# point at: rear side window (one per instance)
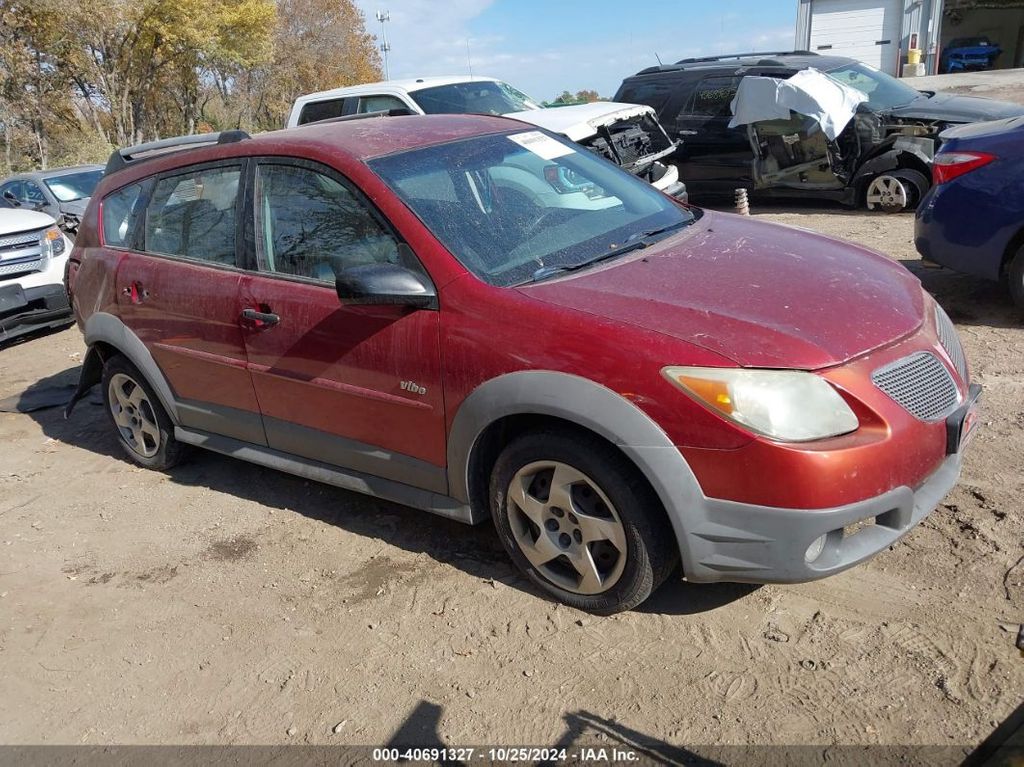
(653, 94)
(321, 110)
(713, 97)
(193, 216)
(310, 225)
(120, 215)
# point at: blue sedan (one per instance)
(972, 220)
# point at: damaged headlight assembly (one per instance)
(784, 405)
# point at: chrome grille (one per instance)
(950, 341)
(20, 240)
(21, 267)
(921, 384)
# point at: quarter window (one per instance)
(193, 216)
(120, 214)
(310, 225)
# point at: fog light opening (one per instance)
(815, 549)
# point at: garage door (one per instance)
(866, 30)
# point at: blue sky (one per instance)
(546, 46)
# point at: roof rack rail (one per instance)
(122, 158)
(394, 112)
(746, 56)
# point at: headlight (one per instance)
(787, 405)
(52, 242)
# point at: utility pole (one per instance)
(385, 46)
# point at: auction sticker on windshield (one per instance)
(541, 145)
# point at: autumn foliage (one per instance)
(78, 78)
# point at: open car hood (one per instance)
(581, 121)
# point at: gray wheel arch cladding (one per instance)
(591, 406)
(108, 329)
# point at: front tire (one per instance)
(580, 521)
(896, 191)
(143, 428)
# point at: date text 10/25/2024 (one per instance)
(501, 754)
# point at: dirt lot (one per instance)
(224, 603)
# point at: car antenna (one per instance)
(658, 58)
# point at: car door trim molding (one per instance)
(347, 479)
(344, 388)
(306, 442)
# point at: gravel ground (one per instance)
(223, 603)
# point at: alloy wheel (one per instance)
(888, 193)
(566, 526)
(134, 416)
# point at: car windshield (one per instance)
(524, 206)
(883, 91)
(74, 186)
(477, 97)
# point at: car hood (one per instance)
(580, 121)
(958, 109)
(13, 220)
(762, 295)
(75, 207)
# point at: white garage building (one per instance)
(879, 32)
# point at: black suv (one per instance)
(882, 158)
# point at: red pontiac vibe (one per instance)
(476, 318)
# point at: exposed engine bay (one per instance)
(635, 143)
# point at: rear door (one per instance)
(177, 290)
(354, 386)
(714, 157)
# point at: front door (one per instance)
(177, 290)
(353, 386)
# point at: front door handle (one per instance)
(260, 320)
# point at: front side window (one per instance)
(518, 207)
(713, 97)
(120, 214)
(379, 104)
(193, 215)
(476, 97)
(74, 186)
(310, 225)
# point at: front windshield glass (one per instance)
(74, 186)
(478, 97)
(519, 207)
(882, 90)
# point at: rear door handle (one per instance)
(260, 319)
(135, 293)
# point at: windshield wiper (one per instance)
(635, 241)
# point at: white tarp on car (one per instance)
(808, 92)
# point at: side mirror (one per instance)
(9, 196)
(385, 285)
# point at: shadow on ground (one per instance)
(474, 550)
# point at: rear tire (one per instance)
(143, 428)
(580, 521)
(1015, 278)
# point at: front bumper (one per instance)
(26, 310)
(745, 543)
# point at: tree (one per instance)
(318, 45)
(580, 97)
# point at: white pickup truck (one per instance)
(33, 257)
(628, 135)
